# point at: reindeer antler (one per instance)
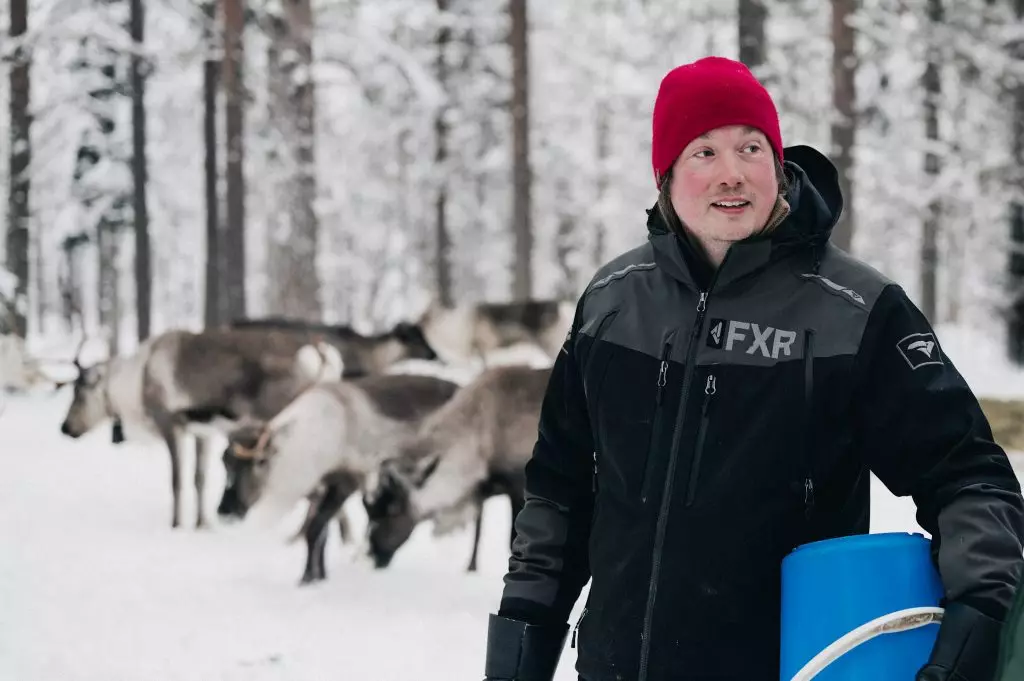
(254, 453)
(78, 352)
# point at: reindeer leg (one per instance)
(202, 452)
(316, 535)
(167, 430)
(313, 498)
(344, 529)
(478, 526)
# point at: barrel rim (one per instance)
(860, 541)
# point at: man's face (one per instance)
(724, 184)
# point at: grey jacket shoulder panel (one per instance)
(613, 284)
(848, 278)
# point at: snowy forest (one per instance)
(180, 163)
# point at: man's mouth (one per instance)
(736, 206)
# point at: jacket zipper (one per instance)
(808, 444)
(645, 488)
(709, 390)
(575, 628)
(666, 497)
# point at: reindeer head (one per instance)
(246, 465)
(90, 404)
(387, 498)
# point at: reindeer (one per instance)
(474, 447)
(361, 355)
(473, 331)
(327, 440)
(199, 383)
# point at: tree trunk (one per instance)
(303, 213)
(932, 166)
(102, 171)
(20, 156)
(109, 251)
(143, 274)
(752, 16)
(1016, 335)
(233, 262)
(293, 255)
(603, 137)
(442, 239)
(277, 195)
(214, 303)
(522, 280)
(566, 244)
(405, 219)
(844, 71)
(71, 282)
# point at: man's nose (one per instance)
(731, 174)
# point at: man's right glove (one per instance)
(517, 651)
(967, 648)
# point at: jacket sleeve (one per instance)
(549, 564)
(922, 432)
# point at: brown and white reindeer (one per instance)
(325, 442)
(362, 355)
(479, 331)
(474, 447)
(181, 383)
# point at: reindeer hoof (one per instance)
(175, 524)
(310, 578)
(202, 525)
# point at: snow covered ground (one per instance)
(94, 585)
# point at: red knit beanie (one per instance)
(701, 96)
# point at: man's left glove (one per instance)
(967, 647)
(517, 651)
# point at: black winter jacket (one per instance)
(693, 435)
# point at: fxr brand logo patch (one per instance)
(751, 338)
(920, 349)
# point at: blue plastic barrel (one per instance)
(833, 586)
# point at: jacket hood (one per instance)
(815, 200)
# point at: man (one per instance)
(722, 395)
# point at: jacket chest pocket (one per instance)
(630, 413)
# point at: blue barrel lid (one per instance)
(859, 541)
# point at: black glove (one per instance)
(517, 651)
(967, 648)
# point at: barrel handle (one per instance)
(901, 620)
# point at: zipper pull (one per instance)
(662, 378)
(808, 494)
(710, 388)
(702, 303)
(582, 615)
(593, 486)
